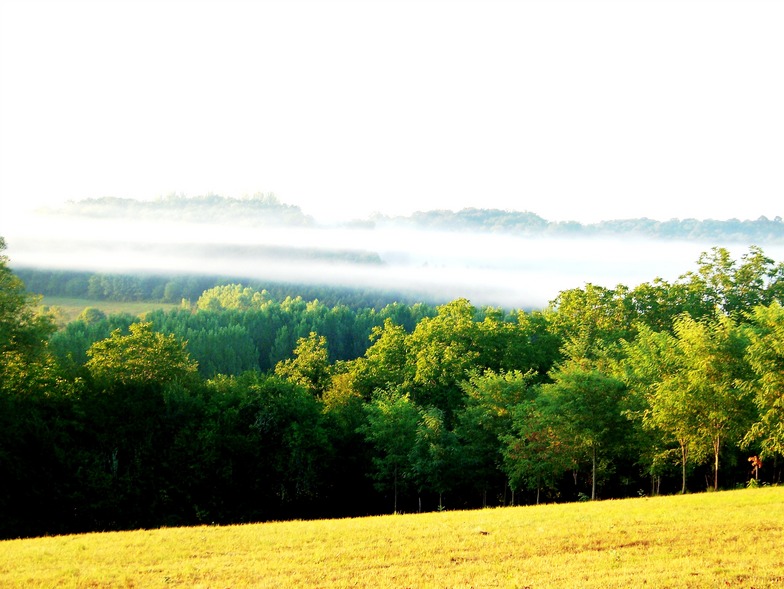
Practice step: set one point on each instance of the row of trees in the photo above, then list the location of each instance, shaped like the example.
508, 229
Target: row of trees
109, 423
185, 289
258, 209
758, 230
233, 328
267, 209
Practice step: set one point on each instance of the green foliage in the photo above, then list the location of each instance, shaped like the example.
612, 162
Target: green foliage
385, 363
392, 423
535, 453
309, 368
482, 426
583, 406
231, 296
690, 385
142, 358
22, 329
765, 355
246, 406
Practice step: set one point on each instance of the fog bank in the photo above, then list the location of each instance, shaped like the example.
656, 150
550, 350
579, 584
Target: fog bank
488, 269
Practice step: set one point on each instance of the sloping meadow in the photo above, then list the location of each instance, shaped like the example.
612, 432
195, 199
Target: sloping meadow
725, 539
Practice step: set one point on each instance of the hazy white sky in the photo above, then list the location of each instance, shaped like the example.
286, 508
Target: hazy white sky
582, 110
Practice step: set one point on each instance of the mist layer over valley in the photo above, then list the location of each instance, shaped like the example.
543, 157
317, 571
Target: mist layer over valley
516, 268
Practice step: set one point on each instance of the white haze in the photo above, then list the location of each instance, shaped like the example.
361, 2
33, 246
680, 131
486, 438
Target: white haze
488, 269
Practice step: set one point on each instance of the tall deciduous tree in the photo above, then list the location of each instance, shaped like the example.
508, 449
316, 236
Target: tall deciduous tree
592, 320
443, 352
732, 287
765, 355
535, 451
385, 363
391, 429
142, 357
491, 399
714, 370
584, 406
434, 455
653, 370
310, 366
692, 384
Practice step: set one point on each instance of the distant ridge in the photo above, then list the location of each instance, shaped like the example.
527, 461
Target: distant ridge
761, 230
259, 209
268, 210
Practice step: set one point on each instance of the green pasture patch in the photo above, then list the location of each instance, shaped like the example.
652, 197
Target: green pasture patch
69, 309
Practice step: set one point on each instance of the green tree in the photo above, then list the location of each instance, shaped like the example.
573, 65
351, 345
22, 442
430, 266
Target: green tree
391, 430
491, 399
653, 371
443, 352
23, 331
591, 321
231, 296
142, 357
434, 455
385, 363
534, 455
722, 284
765, 355
691, 385
310, 367
584, 406
714, 370
37, 421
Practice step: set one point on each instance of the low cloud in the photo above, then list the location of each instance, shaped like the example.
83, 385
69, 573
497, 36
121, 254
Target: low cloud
488, 269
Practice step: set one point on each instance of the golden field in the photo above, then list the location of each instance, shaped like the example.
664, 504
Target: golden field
726, 539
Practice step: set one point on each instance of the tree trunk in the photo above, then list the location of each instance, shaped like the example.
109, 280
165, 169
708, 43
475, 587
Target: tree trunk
395, 512
716, 448
593, 473
684, 455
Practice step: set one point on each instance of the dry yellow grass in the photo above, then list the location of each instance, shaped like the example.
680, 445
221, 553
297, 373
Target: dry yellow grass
728, 539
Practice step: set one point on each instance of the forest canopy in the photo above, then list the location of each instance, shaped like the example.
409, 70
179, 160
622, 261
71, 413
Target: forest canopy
241, 406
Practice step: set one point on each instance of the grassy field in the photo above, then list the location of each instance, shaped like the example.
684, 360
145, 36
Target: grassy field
71, 308
726, 539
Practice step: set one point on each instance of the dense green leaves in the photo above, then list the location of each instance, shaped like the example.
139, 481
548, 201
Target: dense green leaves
245, 407
765, 355
143, 358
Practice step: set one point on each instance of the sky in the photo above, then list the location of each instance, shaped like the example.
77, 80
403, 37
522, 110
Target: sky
585, 110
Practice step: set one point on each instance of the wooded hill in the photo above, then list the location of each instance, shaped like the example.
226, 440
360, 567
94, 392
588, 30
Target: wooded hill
240, 407
267, 209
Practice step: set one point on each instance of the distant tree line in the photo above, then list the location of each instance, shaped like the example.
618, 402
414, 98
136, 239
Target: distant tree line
259, 209
267, 209
761, 230
175, 289
234, 328
246, 408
